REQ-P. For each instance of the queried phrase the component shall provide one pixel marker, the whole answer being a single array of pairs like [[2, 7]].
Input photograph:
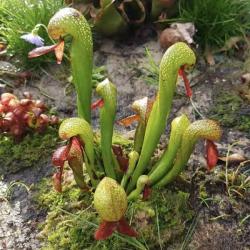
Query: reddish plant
[[120, 157], [17, 117], [211, 154], [106, 229], [71, 153]]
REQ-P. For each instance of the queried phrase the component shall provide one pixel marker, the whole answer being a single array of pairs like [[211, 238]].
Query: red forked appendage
[[211, 154], [58, 49], [186, 82], [60, 156], [97, 104], [107, 228]]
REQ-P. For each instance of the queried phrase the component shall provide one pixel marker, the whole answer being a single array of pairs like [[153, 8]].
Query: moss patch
[[161, 220], [72, 220], [229, 111], [33, 150]]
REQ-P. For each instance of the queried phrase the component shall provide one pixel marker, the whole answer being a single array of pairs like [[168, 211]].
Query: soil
[[217, 225]]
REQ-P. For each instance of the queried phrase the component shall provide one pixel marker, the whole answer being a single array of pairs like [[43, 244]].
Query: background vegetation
[[216, 20], [18, 17]]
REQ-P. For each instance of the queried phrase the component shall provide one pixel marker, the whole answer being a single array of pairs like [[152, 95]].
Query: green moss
[[33, 150], [228, 111], [72, 196], [167, 210], [72, 220], [203, 192]]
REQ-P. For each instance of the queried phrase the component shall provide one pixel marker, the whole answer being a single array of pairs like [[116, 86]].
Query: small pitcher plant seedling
[[114, 185]]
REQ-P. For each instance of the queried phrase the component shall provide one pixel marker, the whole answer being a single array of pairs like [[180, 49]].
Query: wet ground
[[126, 65]]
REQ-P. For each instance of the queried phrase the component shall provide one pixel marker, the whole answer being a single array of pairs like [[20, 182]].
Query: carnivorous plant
[[115, 186]]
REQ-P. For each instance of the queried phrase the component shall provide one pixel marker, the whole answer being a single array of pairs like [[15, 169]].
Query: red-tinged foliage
[[6, 98], [186, 82], [97, 104], [60, 156], [146, 192], [57, 180], [17, 117], [127, 121], [41, 51], [211, 154], [76, 144], [124, 228], [107, 228], [71, 153], [75, 156], [123, 163], [122, 160], [117, 150], [57, 48]]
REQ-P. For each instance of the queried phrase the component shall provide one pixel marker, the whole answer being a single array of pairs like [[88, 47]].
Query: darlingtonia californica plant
[[114, 185]]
